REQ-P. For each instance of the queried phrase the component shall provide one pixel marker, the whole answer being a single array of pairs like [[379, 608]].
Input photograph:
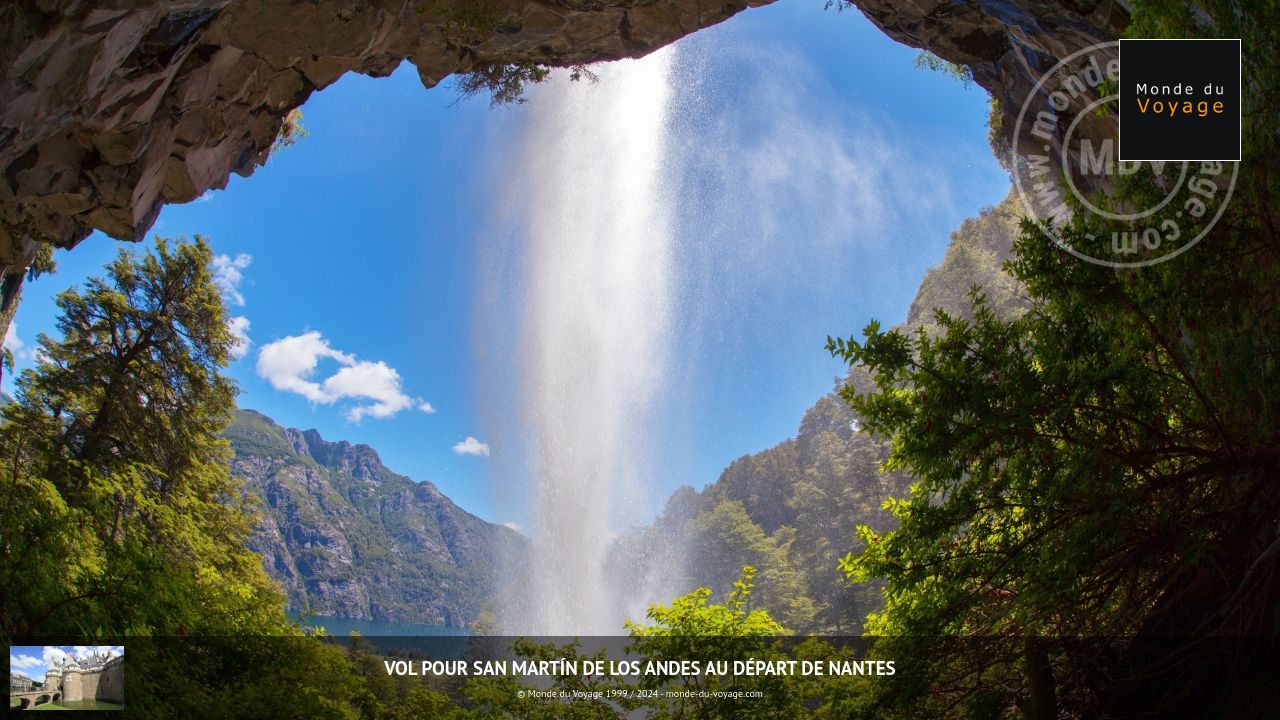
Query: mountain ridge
[[346, 536]]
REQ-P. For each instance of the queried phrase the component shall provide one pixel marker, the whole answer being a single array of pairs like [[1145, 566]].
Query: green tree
[[692, 615], [725, 538], [928, 61], [120, 513], [1101, 466], [841, 480], [291, 131], [692, 628], [506, 83]]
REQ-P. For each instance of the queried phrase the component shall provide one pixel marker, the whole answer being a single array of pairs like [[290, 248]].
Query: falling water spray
[[596, 251]]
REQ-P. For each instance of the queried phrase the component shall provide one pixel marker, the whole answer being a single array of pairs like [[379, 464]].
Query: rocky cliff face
[[109, 110], [346, 536]]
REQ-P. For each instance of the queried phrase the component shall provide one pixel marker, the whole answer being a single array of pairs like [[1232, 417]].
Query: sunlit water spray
[[595, 316]]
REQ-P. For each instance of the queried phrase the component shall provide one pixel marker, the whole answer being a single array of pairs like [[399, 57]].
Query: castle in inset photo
[[72, 677]]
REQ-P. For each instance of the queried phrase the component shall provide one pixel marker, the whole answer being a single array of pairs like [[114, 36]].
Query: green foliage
[[727, 538], [974, 257], [243, 676], [691, 615], [1099, 466], [693, 629], [471, 20], [506, 83], [117, 486], [1082, 467], [996, 138], [1166, 19], [43, 263], [379, 695], [291, 131], [928, 61], [121, 516], [470, 24]]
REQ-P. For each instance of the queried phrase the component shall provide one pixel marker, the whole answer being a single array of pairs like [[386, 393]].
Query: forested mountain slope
[[346, 536], [791, 510]]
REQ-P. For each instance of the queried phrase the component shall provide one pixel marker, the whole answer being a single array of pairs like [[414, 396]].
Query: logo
[[1066, 158], [1180, 100]]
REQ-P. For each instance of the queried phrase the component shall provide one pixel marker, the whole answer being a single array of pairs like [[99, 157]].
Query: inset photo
[[66, 677]]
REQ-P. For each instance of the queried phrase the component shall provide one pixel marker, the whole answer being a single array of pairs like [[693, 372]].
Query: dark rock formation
[[346, 536], [109, 110]]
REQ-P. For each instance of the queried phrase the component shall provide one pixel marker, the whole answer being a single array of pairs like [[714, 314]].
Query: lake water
[[341, 627], [80, 705]]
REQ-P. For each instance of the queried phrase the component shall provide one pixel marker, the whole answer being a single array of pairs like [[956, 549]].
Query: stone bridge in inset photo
[[28, 699]]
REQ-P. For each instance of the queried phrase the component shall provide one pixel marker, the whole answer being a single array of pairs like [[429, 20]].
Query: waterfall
[[595, 239], [710, 197]]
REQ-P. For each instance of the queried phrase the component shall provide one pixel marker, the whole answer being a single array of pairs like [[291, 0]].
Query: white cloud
[[12, 342], [514, 526], [472, 446], [205, 197], [227, 276], [374, 380], [287, 363], [239, 328], [53, 654], [290, 364], [85, 652], [24, 662]]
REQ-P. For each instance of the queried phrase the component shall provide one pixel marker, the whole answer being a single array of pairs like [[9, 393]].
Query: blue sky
[[360, 258], [35, 660]]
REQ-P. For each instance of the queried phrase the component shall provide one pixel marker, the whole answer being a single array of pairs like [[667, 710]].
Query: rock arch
[[108, 113]]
